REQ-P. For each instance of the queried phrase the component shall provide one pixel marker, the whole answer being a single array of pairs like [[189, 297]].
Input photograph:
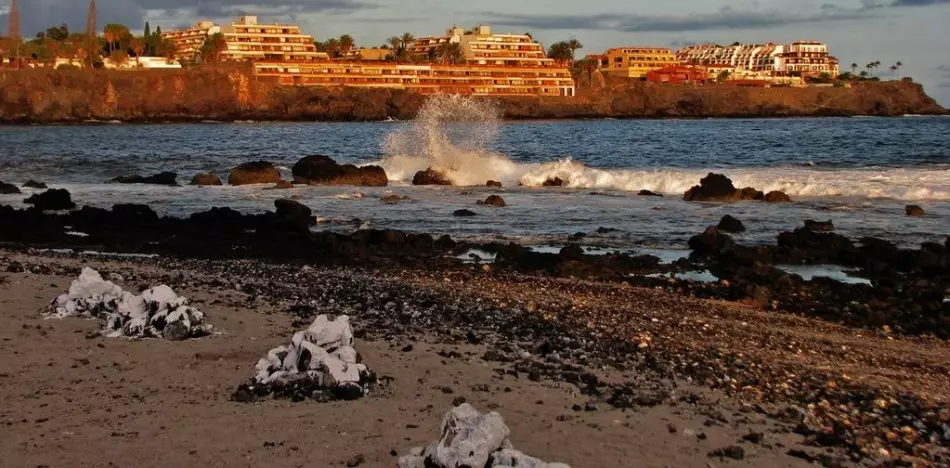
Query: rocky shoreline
[[812, 355], [233, 94]]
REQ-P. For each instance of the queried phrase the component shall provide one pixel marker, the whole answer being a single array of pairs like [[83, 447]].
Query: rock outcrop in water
[[52, 199], [217, 93], [430, 176], [322, 170], [719, 188], [258, 172], [206, 179], [8, 189], [162, 178]]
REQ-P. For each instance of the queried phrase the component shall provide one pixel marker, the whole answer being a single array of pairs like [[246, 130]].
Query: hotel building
[[471, 79], [188, 42], [635, 62], [481, 46], [494, 64], [246, 39], [804, 58]]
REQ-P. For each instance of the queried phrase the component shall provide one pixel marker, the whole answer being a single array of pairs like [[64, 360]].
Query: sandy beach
[[78, 399]]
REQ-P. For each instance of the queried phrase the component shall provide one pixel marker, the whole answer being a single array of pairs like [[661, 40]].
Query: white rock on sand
[[470, 438], [323, 352], [157, 312]]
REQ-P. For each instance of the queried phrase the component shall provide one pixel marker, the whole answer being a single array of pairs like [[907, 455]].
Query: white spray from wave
[[453, 134]]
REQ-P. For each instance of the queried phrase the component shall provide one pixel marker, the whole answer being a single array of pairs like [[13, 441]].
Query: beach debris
[[320, 363], [470, 438], [156, 313]]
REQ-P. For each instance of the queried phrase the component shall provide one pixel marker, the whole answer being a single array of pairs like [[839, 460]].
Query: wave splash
[[450, 134], [453, 134]]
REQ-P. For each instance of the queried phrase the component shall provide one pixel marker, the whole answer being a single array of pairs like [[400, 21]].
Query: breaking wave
[[455, 135]]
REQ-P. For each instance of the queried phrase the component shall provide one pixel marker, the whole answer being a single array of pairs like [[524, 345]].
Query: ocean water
[[858, 172]]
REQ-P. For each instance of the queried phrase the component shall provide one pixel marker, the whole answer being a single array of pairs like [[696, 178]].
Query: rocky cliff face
[[75, 96]]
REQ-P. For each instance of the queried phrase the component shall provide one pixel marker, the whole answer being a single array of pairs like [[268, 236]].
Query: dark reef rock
[[776, 196], [819, 226], [717, 187], [430, 176], [730, 224], [493, 200], [206, 179], [53, 200], [8, 189], [294, 214], [34, 184], [323, 170], [555, 182], [464, 213], [648, 193], [162, 178], [258, 172], [493, 183], [914, 210], [710, 242]]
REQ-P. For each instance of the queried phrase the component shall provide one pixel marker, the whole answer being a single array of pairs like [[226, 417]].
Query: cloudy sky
[[915, 32]]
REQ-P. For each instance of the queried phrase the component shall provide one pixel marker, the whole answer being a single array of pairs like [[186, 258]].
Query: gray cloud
[[37, 15], [271, 8], [913, 3], [726, 18]]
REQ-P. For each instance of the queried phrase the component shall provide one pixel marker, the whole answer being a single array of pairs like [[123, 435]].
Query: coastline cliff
[[192, 95]]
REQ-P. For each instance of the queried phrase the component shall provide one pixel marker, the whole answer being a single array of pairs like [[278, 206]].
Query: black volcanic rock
[[717, 187], [35, 184], [53, 199], [493, 200], [323, 170], [257, 172], [162, 178], [294, 214], [819, 226], [8, 189], [206, 179], [730, 224], [914, 210], [464, 213], [776, 196], [430, 176], [710, 242]]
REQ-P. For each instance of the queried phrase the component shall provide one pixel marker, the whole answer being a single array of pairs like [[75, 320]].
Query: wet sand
[[72, 399]]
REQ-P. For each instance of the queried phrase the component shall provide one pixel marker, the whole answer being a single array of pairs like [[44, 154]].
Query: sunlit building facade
[[635, 62]]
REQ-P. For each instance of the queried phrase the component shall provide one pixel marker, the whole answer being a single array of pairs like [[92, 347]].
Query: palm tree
[[407, 39], [897, 68], [346, 43], [574, 44], [560, 51], [451, 52], [529, 35], [213, 47], [333, 47], [395, 43], [854, 68]]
